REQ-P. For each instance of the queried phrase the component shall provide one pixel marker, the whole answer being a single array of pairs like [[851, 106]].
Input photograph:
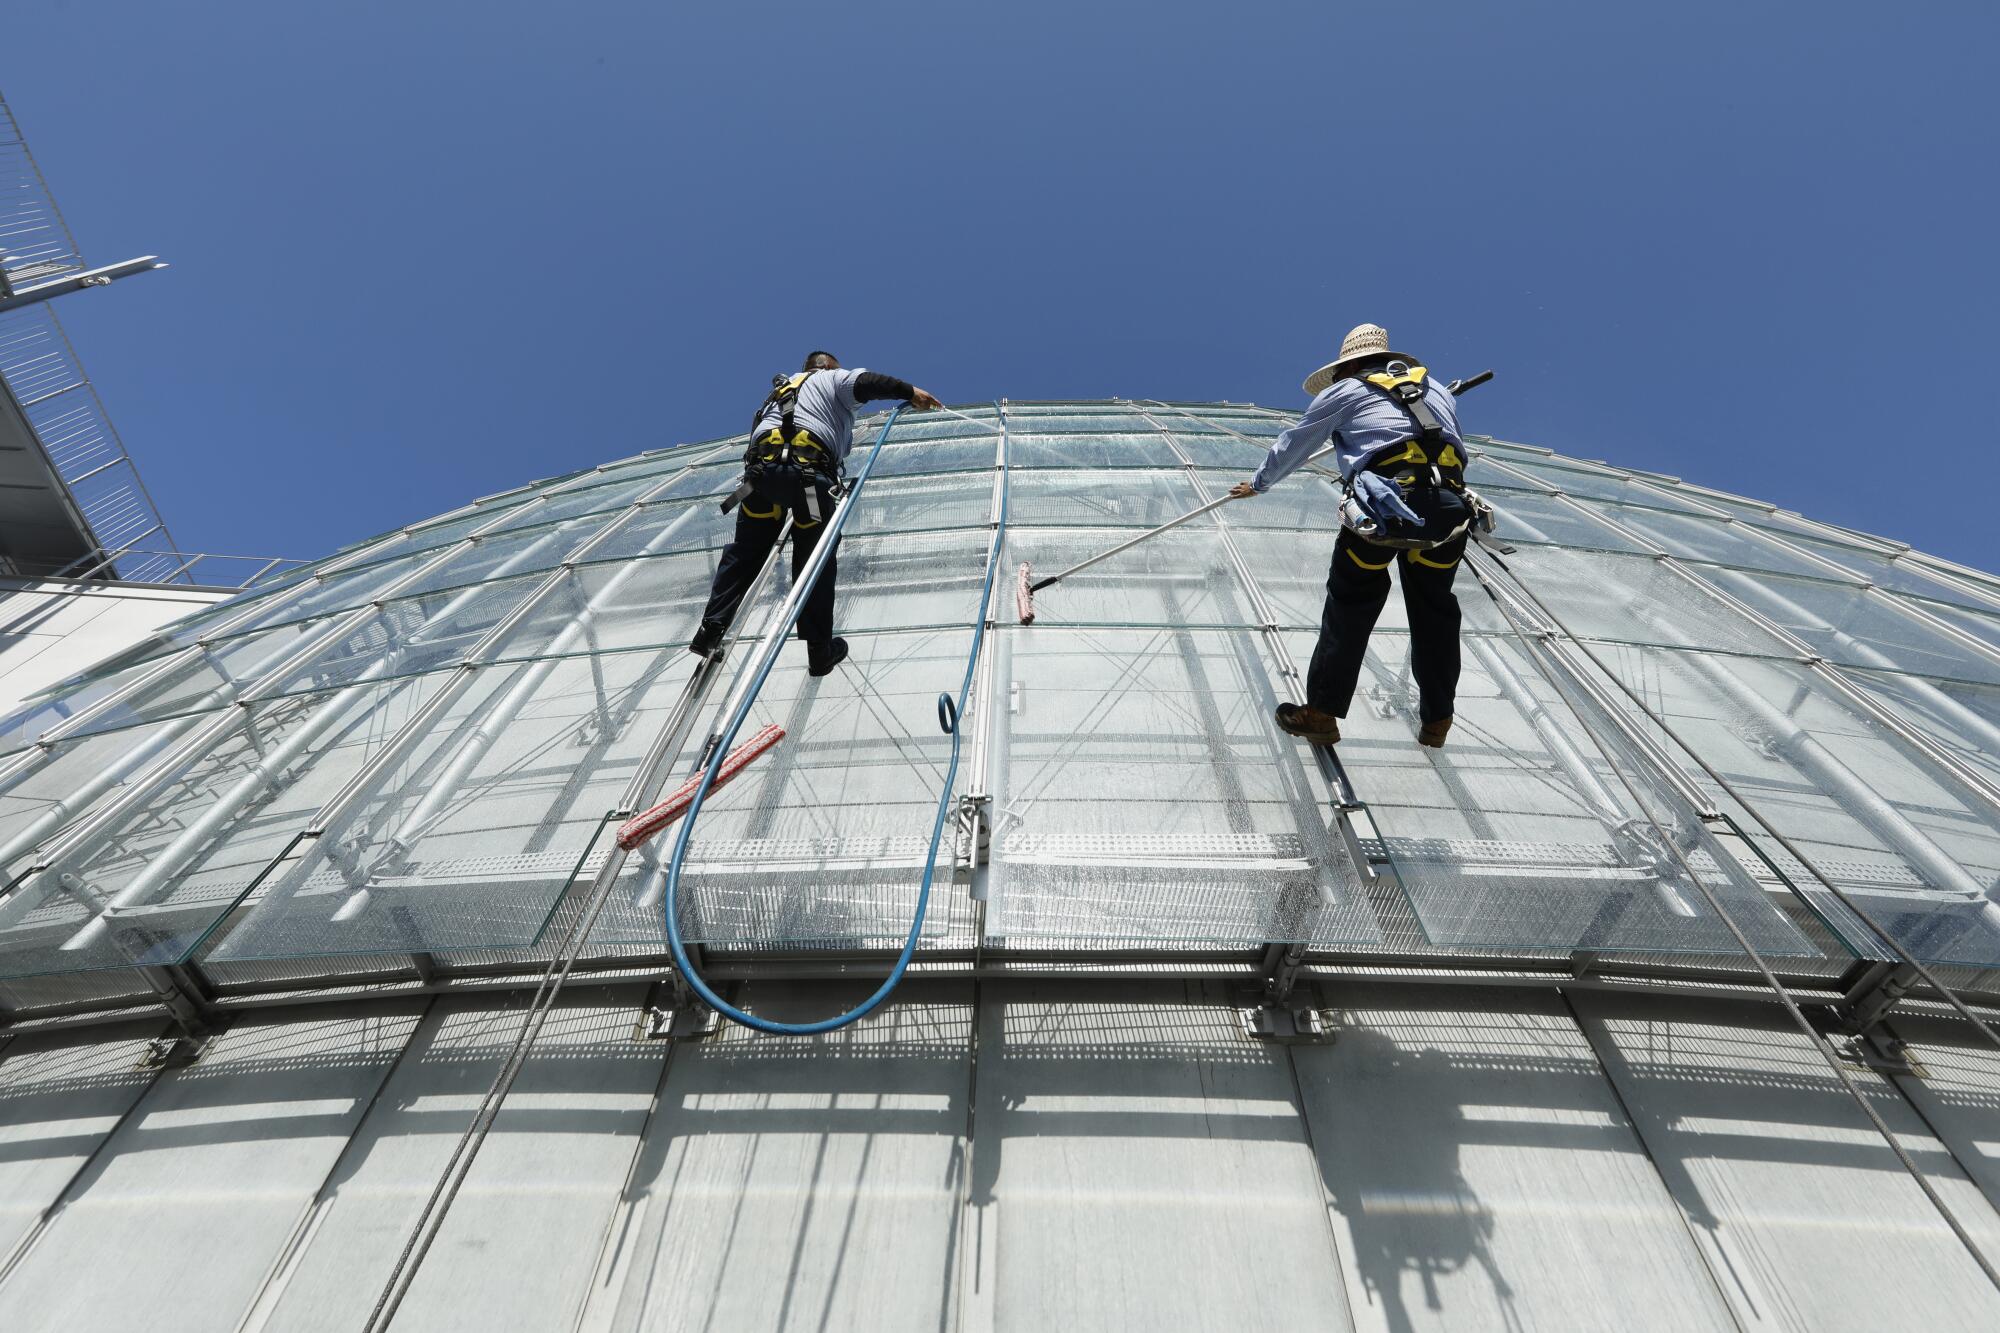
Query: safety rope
[[1725, 785], [948, 718], [554, 977], [1778, 987]]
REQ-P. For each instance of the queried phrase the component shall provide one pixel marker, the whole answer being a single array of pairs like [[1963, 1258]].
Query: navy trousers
[[744, 556], [1356, 587]]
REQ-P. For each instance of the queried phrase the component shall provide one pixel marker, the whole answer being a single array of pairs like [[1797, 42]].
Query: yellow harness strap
[[1364, 564], [1412, 451]]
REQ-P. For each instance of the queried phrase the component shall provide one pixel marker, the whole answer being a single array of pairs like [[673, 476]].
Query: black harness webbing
[[1430, 458], [787, 464]]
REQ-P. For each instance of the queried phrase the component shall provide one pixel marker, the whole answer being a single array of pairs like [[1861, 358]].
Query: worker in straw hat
[[1402, 461]]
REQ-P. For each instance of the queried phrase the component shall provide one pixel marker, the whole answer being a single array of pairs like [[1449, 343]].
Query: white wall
[[50, 629]]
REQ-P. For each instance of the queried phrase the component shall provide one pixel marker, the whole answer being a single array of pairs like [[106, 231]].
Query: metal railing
[[206, 569]]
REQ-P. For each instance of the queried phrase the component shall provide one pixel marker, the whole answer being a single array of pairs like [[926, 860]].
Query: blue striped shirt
[[1363, 423]]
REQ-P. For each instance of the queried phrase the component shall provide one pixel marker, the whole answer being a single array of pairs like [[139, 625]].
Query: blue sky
[[424, 252]]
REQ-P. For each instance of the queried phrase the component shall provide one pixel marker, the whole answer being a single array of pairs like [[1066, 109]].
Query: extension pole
[[1455, 388], [1168, 526]]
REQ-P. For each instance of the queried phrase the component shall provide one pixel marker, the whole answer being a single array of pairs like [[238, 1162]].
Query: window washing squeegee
[[639, 828]]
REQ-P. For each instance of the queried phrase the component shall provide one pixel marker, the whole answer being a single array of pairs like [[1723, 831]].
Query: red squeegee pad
[[638, 828], [1024, 596]]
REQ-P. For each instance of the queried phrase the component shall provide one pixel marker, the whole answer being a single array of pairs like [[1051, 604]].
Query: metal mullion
[[143, 787], [1895, 598], [1357, 826], [975, 807], [1990, 599], [419, 723], [1556, 651], [44, 745], [205, 737], [265, 770], [1723, 783], [1280, 959], [1937, 564], [1905, 604], [1852, 691], [982, 731]]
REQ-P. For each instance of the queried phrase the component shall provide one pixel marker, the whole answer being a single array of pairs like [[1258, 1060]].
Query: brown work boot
[[1433, 733], [1308, 723]]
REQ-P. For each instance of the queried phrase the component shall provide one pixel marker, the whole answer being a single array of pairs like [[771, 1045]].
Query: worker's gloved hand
[[923, 402], [1384, 503]]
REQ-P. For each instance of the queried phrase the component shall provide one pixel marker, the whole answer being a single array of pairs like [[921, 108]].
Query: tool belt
[[1428, 462], [787, 477]]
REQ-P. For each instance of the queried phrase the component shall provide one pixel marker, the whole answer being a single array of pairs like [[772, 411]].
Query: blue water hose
[[948, 714]]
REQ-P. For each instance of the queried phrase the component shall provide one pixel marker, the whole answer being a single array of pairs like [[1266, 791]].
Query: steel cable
[[1778, 987]]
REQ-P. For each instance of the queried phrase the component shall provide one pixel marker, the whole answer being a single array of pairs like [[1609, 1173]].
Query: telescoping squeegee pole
[[1028, 589], [1168, 526]]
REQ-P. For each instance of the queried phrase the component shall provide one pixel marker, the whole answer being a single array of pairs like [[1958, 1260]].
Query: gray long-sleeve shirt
[[827, 401], [1364, 424], [825, 407]]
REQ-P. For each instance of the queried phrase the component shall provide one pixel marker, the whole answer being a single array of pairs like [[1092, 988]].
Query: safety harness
[[1429, 459], [787, 465]]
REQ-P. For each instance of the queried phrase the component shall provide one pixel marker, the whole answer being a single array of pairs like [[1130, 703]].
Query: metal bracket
[[972, 844], [684, 1017], [1295, 1022], [175, 1051], [1363, 842], [1281, 1010], [1879, 1051], [689, 1021], [180, 989], [13, 294], [1871, 998]]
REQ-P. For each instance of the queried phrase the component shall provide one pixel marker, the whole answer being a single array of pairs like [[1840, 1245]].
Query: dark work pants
[[744, 556], [1356, 587]]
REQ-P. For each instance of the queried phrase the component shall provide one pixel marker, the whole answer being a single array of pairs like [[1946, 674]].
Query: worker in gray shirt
[[799, 439]]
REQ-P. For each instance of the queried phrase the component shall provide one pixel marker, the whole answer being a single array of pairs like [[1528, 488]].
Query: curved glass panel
[[418, 746]]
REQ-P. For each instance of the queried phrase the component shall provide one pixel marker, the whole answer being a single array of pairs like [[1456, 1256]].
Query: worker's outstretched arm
[[1295, 445], [870, 386]]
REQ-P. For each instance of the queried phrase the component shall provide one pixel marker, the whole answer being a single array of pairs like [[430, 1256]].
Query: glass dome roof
[[406, 760]]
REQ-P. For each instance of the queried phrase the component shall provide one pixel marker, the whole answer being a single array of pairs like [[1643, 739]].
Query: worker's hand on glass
[[1242, 490], [923, 402]]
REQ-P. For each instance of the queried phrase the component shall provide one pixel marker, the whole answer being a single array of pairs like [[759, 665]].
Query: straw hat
[[1362, 340]]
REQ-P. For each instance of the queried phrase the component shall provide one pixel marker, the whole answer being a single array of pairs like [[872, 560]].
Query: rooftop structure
[[71, 500], [1532, 1076]]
